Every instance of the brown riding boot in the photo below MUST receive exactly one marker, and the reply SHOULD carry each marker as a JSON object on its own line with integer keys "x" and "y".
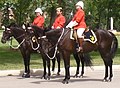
{"x": 81, "y": 44}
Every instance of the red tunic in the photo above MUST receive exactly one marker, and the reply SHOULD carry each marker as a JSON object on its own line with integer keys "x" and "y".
{"x": 39, "y": 21}
{"x": 59, "y": 22}
{"x": 79, "y": 17}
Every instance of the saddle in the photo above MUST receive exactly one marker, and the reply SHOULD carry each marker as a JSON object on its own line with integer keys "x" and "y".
{"x": 89, "y": 35}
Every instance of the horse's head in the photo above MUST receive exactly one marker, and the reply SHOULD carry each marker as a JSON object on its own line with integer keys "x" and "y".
{"x": 7, "y": 34}
{"x": 12, "y": 30}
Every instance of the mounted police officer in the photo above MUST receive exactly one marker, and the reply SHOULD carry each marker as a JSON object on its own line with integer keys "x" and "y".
{"x": 39, "y": 19}
{"x": 60, "y": 19}
{"x": 78, "y": 23}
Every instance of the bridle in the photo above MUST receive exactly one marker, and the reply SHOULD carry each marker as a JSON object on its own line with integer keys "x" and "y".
{"x": 56, "y": 46}
{"x": 8, "y": 29}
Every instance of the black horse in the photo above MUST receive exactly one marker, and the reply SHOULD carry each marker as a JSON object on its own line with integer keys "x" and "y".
{"x": 84, "y": 58}
{"x": 106, "y": 44}
{"x": 26, "y": 49}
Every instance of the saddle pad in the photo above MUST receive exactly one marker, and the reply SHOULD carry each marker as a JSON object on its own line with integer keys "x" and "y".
{"x": 90, "y": 36}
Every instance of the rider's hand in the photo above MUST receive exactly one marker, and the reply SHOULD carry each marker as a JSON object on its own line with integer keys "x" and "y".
{"x": 52, "y": 27}
{"x": 68, "y": 26}
{"x": 58, "y": 27}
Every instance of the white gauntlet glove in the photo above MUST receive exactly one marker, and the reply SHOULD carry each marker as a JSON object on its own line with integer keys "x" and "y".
{"x": 72, "y": 24}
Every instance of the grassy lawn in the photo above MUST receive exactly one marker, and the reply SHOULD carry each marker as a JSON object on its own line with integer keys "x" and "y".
{"x": 12, "y": 59}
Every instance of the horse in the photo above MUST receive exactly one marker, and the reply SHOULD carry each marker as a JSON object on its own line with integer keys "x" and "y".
{"x": 44, "y": 45}
{"x": 106, "y": 44}
{"x": 84, "y": 59}
{"x": 25, "y": 47}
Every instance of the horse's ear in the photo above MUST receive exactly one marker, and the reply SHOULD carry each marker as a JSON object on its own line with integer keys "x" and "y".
{"x": 23, "y": 26}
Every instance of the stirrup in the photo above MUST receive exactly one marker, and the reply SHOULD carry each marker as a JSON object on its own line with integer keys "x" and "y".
{"x": 80, "y": 49}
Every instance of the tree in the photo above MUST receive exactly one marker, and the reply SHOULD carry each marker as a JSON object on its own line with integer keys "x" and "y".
{"x": 98, "y": 12}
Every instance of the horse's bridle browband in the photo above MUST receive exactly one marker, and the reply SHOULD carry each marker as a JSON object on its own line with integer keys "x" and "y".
{"x": 16, "y": 38}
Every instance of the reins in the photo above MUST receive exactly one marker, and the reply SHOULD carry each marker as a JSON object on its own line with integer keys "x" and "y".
{"x": 56, "y": 45}
{"x": 17, "y": 45}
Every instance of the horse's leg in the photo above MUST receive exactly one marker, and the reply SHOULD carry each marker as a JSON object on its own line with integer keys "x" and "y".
{"x": 44, "y": 66}
{"x": 110, "y": 66}
{"x": 66, "y": 58}
{"x": 108, "y": 63}
{"x": 26, "y": 69}
{"x": 82, "y": 62}
{"x": 53, "y": 66}
{"x": 77, "y": 59}
{"x": 111, "y": 74}
{"x": 58, "y": 61}
{"x": 48, "y": 65}
{"x": 26, "y": 57}
{"x": 106, "y": 73}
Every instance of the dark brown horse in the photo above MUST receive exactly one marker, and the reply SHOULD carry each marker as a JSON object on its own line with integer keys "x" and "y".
{"x": 20, "y": 36}
{"x": 83, "y": 58}
{"x": 106, "y": 44}
{"x": 26, "y": 49}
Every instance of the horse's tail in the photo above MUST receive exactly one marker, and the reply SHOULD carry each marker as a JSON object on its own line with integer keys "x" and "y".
{"x": 114, "y": 46}
{"x": 87, "y": 59}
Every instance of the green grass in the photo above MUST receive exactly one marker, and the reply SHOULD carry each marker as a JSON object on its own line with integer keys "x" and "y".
{"x": 12, "y": 59}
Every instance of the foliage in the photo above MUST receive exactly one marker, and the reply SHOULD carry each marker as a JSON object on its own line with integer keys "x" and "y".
{"x": 101, "y": 11}
{"x": 98, "y": 12}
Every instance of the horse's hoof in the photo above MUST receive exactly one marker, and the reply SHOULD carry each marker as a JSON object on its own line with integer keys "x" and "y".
{"x": 48, "y": 77}
{"x": 110, "y": 79}
{"x": 81, "y": 76}
{"x": 26, "y": 75}
{"x": 58, "y": 73}
{"x": 75, "y": 76}
{"x": 105, "y": 80}
{"x": 44, "y": 77}
{"x": 65, "y": 81}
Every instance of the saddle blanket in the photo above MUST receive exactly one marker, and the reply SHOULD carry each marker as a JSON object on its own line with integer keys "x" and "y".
{"x": 88, "y": 36}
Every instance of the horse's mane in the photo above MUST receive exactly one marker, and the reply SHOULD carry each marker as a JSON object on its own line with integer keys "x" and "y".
{"x": 53, "y": 34}
{"x": 16, "y": 28}
{"x": 38, "y": 31}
